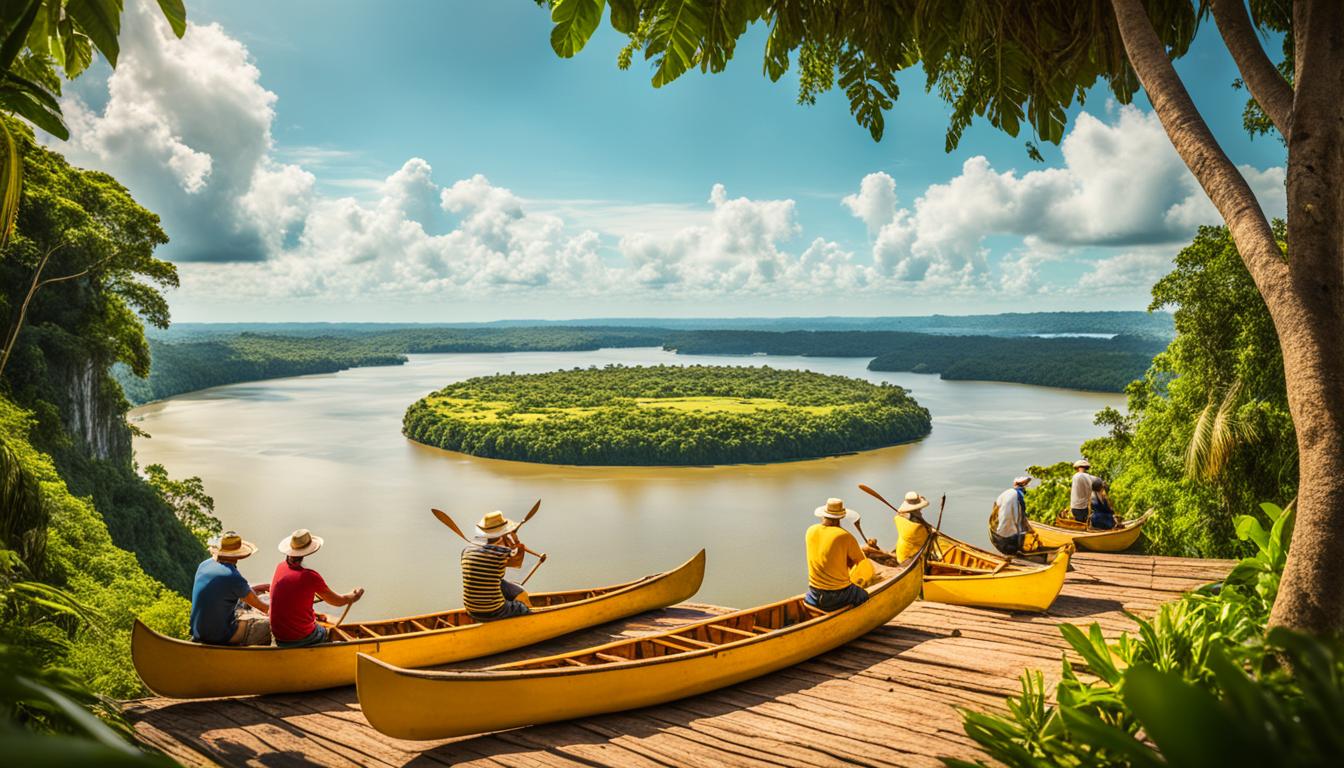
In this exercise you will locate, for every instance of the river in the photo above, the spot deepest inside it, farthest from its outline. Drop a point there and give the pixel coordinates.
(326, 452)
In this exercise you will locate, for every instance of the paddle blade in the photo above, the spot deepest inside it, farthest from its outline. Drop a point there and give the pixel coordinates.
(531, 512)
(875, 495)
(448, 521)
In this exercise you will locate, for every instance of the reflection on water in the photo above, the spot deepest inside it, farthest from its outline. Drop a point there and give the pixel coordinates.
(326, 452)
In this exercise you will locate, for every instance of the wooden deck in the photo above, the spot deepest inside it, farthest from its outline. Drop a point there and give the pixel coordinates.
(888, 698)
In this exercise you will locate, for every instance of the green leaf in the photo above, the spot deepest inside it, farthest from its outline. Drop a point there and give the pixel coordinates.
(1250, 529)
(16, 31)
(11, 182)
(1098, 658)
(27, 100)
(1116, 741)
(1181, 717)
(176, 14)
(676, 34)
(78, 54)
(575, 22)
(624, 16)
(101, 21)
(1273, 511)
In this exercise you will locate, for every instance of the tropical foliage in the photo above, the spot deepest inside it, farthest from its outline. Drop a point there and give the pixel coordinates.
(664, 415)
(1200, 684)
(1207, 429)
(77, 281)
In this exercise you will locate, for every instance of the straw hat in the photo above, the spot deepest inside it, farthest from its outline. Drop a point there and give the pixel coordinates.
(834, 509)
(300, 543)
(495, 524)
(1023, 480)
(913, 503)
(230, 544)
(1082, 464)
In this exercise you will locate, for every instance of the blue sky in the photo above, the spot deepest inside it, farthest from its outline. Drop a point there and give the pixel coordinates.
(422, 160)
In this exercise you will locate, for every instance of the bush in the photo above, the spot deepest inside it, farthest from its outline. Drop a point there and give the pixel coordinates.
(1201, 684)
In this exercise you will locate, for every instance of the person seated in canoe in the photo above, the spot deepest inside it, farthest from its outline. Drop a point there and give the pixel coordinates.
(486, 595)
(831, 552)
(912, 530)
(1103, 515)
(293, 621)
(225, 609)
(1008, 530)
(1080, 491)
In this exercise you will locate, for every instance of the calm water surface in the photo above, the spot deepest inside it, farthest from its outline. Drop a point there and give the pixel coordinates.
(326, 452)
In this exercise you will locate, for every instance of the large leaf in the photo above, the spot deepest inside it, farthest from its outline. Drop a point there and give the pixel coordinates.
(575, 22)
(176, 14)
(1100, 734)
(101, 21)
(676, 34)
(29, 101)
(624, 16)
(1250, 529)
(1189, 725)
(18, 18)
(11, 183)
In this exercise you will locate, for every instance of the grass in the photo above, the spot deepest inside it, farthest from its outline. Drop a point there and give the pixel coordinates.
(489, 411)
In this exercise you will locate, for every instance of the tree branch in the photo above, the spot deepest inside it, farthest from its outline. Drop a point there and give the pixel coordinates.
(1195, 144)
(1262, 78)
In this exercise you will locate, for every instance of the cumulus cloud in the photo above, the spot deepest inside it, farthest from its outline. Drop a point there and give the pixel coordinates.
(1121, 184)
(1131, 269)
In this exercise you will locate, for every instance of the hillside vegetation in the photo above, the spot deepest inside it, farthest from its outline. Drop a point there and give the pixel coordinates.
(664, 415)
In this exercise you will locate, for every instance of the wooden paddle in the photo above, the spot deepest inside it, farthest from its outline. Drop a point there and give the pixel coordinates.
(448, 521)
(541, 559)
(877, 496)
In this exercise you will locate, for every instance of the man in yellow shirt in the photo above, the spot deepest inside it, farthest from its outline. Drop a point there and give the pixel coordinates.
(831, 552)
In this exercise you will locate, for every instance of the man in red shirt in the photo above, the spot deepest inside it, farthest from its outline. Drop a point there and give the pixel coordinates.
(293, 621)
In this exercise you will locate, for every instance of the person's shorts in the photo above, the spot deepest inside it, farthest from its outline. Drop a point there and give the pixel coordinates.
(253, 629)
(512, 605)
(835, 599)
(1079, 515)
(1008, 545)
(319, 635)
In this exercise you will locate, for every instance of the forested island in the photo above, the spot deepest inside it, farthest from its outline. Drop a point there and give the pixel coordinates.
(665, 415)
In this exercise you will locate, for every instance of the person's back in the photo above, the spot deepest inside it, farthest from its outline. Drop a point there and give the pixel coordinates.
(910, 537)
(214, 601)
(831, 550)
(292, 590)
(1080, 491)
(482, 576)
(1103, 516)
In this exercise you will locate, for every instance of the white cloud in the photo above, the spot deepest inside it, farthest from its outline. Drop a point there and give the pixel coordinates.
(1121, 184)
(1131, 269)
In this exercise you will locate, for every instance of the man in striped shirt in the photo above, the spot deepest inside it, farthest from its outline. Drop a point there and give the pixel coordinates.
(485, 593)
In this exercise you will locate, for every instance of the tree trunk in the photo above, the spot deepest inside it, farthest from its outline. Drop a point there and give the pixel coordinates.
(1304, 294)
(1311, 328)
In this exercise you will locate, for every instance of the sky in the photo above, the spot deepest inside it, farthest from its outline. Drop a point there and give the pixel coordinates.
(435, 161)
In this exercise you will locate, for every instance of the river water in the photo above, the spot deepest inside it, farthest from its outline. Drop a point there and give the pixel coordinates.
(326, 452)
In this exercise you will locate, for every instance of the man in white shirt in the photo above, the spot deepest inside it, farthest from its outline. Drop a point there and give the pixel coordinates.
(1080, 492)
(1008, 523)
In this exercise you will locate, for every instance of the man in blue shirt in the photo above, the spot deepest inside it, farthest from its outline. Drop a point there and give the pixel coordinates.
(221, 596)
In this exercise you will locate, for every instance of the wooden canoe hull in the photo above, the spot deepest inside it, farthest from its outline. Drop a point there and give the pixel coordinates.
(1117, 540)
(1026, 589)
(410, 704)
(185, 670)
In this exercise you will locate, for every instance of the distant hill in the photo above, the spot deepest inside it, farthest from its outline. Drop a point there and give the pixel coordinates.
(1154, 325)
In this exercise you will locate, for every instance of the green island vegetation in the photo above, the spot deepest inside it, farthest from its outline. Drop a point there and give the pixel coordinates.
(1103, 365)
(664, 415)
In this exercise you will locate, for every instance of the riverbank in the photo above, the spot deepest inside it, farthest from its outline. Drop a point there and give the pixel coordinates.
(889, 698)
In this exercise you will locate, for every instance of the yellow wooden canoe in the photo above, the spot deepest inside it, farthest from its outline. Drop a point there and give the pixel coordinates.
(1067, 530)
(967, 575)
(699, 657)
(184, 670)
